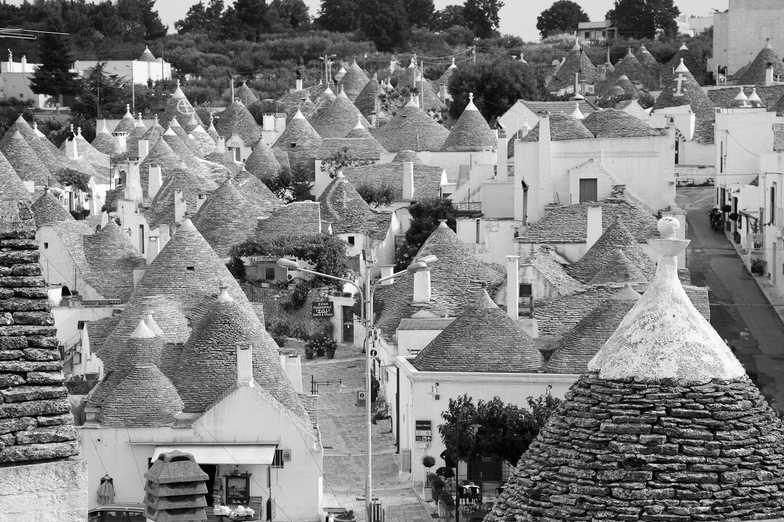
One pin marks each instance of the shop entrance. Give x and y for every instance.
(211, 472)
(348, 324)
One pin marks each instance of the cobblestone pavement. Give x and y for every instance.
(343, 432)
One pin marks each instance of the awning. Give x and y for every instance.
(214, 454)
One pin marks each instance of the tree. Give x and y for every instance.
(562, 17)
(449, 16)
(341, 16)
(501, 82)
(101, 94)
(201, 18)
(53, 77)
(253, 18)
(425, 216)
(141, 20)
(342, 158)
(291, 13)
(420, 12)
(643, 18)
(385, 23)
(376, 195)
(504, 431)
(291, 184)
(482, 17)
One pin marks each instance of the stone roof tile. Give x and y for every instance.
(338, 118)
(236, 119)
(411, 129)
(471, 132)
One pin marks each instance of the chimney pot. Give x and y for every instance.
(408, 180)
(512, 287)
(422, 286)
(245, 365)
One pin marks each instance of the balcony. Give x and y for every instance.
(469, 209)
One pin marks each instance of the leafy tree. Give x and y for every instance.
(449, 16)
(101, 94)
(339, 160)
(201, 18)
(291, 184)
(376, 195)
(53, 77)
(504, 431)
(482, 17)
(327, 253)
(496, 85)
(420, 12)
(341, 16)
(140, 19)
(562, 17)
(425, 218)
(75, 179)
(385, 23)
(643, 18)
(291, 13)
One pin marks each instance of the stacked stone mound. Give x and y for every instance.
(35, 419)
(664, 426)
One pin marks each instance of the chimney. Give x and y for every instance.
(268, 121)
(577, 83)
(24, 63)
(133, 183)
(299, 84)
(220, 147)
(442, 92)
(232, 90)
(71, 149)
(502, 160)
(121, 139)
(200, 199)
(155, 180)
(386, 271)
(769, 75)
(422, 286)
(144, 149)
(512, 287)
(778, 137)
(594, 228)
(244, 365)
(153, 248)
(180, 206)
(408, 180)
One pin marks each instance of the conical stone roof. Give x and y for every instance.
(690, 93)
(650, 63)
(581, 343)
(183, 276)
(192, 123)
(482, 339)
(54, 160)
(562, 127)
(147, 56)
(754, 73)
(664, 424)
(300, 141)
(344, 208)
(181, 179)
(104, 142)
(236, 119)
(471, 132)
(576, 61)
(227, 217)
(211, 131)
(407, 155)
(47, 209)
(192, 145)
(127, 122)
(111, 259)
(25, 162)
(208, 362)
(203, 140)
(616, 237)
(667, 70)
(411, 129)
(144, 398)
(634, 71)
(11, 185)
(366, 99)
(613, 123)
(338, 118)
(178, 106)
(162, 155)
(354, 80)
(244, 94)
(185, 155)
(262, 162)
(452, 69)
(153, 134)
(619, 270)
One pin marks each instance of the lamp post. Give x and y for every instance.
(133, 90)
(417, 266)
(458, 487)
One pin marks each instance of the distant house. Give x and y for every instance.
(596, 31)
(145, 68)
(742, 30)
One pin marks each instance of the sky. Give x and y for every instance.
(518, 17)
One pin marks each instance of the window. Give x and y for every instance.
(351, 240)
(46, 245)
(190, 268)
(773, 204)
(80, 325)
(141, 239)
(478, 230)
(587, 35)
(526, 290)
(589, 190)
(281, 457)
(269, 273)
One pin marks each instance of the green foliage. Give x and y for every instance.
(341, 16)
(425, 216)
(326, 253)
(75, 179)
(321, 342)
(381, 410)
(53, 77)
(244, 19)
(428, 461)
(376, 195)
(420, 13)
(101, 95)
(561, 17)
(341, 159)
(291, 184)
(505, 430)
(237, 268)
(385, 23)
(482, 16)
(450, 16)
(496, 85)
(643, 18)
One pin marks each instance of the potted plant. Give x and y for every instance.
(436, 487)
(446, 504)
(320, 343)
(309, 353)
(330, 345)
(381, 416)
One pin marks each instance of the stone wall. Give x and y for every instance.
(42, 491)
(628, 450)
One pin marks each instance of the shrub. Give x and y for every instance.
(321, 342)
(428, 461)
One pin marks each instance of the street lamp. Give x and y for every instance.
(458, 487)
(369, 290)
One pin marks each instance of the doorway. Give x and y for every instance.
(211, 471)
(348, 325)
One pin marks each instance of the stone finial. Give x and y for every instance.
(470, 97)
(178, 82)
(442, 223)
(72, 130)
(128, 109)
(79, 131)
(224, 296)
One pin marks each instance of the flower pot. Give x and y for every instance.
(320, 352)
(427, 493)
(308, 354)
(385, 425)
(330, 354)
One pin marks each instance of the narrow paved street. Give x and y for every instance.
(740, 312)
(343, 429)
